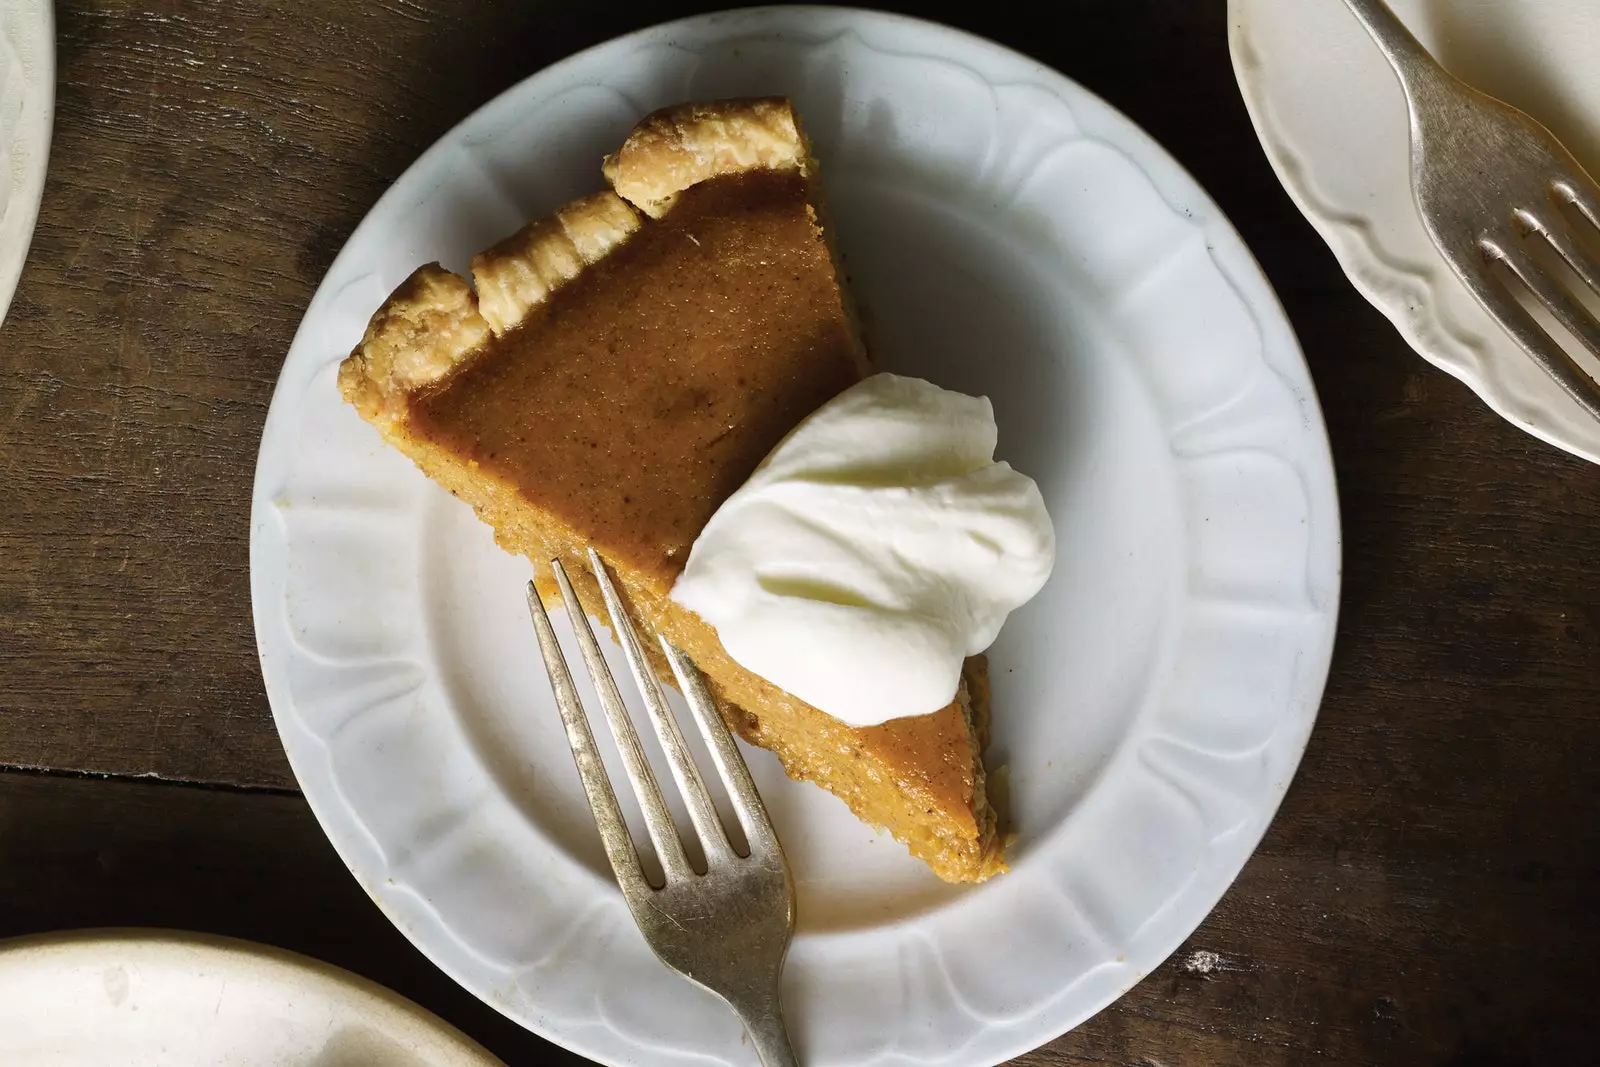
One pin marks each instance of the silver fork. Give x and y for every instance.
(1487, 178)
(728, 929)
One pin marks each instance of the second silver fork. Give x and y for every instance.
(1486, 177)
(728, 929)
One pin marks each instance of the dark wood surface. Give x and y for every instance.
(1427, 893)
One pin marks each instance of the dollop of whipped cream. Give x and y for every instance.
(873, 550)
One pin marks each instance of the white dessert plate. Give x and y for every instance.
(1009, 234)
(1334, 124)
(27, 106)
(144, 998)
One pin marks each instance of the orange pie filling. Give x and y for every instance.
(620, 370)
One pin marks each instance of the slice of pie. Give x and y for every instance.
(623, 366)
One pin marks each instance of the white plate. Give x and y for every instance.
(1009, 234)
(141, 998)
(1333, 121)
(27, 104)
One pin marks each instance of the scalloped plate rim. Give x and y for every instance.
(1260, 300)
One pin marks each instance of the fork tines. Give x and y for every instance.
(727, 929)
(1555, 228)
(746, 802)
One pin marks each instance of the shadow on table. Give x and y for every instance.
(80, 852)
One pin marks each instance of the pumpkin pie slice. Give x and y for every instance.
(616, 370)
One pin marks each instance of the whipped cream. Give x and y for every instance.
(873, 550)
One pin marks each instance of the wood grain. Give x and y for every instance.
(1425, 894)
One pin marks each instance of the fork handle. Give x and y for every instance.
(1412, 63)
(763, 1021)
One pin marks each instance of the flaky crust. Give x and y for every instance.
(520, 272)
(424, 329)
(677, 147)
(433, 321)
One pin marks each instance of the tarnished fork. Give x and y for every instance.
(728, 929)
(1489, 182)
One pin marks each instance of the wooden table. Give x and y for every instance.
(1427, 893)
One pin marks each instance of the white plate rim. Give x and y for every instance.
(1243, 273)
(401, 1018)
(33, 21)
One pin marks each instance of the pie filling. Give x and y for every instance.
(619, 373)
